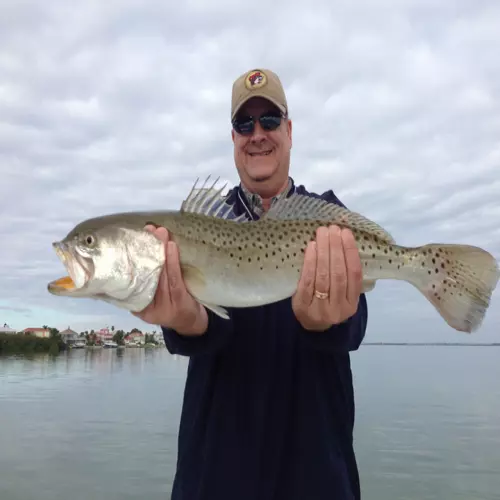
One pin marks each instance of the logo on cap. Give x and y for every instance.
(255, 79)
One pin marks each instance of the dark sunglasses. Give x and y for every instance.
(245, 125)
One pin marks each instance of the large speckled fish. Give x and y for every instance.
(228, 261)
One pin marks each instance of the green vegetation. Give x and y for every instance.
(22, 343)
(26, 342)
(150, 339)
(119, 336)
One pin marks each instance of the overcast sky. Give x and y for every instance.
(121, 105)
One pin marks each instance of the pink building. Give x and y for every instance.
(37, 332)
(105, 334)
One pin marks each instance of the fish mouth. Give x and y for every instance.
(79, 268)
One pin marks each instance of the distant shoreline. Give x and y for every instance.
(434, 344)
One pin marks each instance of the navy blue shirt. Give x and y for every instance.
(268, 409)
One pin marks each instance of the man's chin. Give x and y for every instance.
(261, 173)
(261, 178)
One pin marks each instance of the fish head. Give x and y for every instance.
(114, 263)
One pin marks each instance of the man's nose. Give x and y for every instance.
(259, 134)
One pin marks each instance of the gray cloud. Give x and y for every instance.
(121, 106)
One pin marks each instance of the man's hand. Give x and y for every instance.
(332, 268)
(173, 306)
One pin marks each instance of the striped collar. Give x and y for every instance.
(254, 200)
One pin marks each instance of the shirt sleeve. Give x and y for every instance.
(342, 338)
(218, 333)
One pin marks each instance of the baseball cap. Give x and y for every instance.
(258, 83)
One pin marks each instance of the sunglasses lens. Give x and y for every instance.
(270, 122)
(243, 125)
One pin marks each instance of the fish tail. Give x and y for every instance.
(458, 280)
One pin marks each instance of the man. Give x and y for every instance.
(268, 408)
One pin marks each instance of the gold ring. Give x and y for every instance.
(320, 295)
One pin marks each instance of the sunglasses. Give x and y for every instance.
(245, 125)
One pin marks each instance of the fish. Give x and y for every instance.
(228, 261)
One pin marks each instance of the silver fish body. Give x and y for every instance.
(229, 262)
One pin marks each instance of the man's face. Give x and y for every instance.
(262, 154)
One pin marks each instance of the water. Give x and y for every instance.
(103, 424)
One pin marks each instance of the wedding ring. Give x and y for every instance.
(320, 295)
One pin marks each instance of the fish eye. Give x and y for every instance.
(89, 240)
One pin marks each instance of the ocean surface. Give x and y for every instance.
(102, 424)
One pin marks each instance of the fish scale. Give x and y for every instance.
(228, 261)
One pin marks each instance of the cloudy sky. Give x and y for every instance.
(121, 105)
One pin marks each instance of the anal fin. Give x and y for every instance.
(368, 285)
(220, 311)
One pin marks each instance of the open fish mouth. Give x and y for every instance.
(79, 270)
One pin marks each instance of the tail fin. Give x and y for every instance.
(458, 280)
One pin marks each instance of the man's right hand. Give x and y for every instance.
(173, 306)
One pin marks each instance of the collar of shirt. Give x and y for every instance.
(254, 200)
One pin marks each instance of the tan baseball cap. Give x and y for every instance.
(258, 83)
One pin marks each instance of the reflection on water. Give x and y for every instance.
(102, 423)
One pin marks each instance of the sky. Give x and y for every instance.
(120, 106)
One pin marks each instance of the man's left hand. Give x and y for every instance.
(331, 280)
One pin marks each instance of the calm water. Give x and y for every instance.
(103, 424)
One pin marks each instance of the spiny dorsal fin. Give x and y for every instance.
(302, 207)
(210, 202)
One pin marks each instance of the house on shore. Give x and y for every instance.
(135, 338)
(43, 333)
(6, 329)
(72, 338)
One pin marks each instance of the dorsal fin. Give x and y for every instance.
(210, 202)
(303, 207)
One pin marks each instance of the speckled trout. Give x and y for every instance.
(231, 262)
